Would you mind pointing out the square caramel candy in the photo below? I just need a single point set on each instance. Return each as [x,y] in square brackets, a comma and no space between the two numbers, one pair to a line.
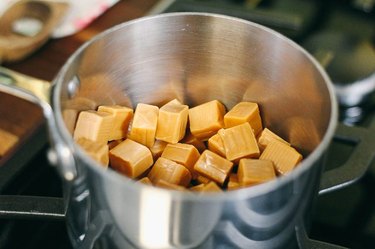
[121,117]
[167,185]
[97,151]
[190,139]
[198,187]
[284,157]
[213,166]
[215,144]
[185,154]
[170,171]
[267,136]
[206,119]
[244,112]
[158,148]
[130,158]
[239,142]
[202,179]
[145,180]
[233,182]
[209,187]
[172,122]
[144,124]
[93,125]
[255,171]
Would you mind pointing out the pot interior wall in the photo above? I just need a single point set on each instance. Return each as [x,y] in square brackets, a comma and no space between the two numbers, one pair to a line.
[197,59]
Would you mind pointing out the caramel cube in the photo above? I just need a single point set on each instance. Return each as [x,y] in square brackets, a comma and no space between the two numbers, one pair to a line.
[215,144]
[239,142]
[170,171]
[158,148]
[144,124]
[145,180]
[92,125]
[130,158]
[97,151]
[198,187]
[185,154]
[172,122]
[244,112]
[254,171]
[121,117]
[202,179]
[213,166]
[267,136]
[233,182]
[284,157]
[167,185]
[190,139]
[206,119]
[209,187]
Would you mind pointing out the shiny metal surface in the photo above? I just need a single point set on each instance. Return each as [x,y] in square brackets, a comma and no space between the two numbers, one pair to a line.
[38,87]
[197,58]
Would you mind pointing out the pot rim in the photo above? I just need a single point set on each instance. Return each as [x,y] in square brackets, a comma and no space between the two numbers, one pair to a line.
[242,193]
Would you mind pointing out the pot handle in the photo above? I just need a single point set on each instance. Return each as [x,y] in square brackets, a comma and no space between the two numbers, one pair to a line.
[304,242]
[357,164]
[38,92]
[31,207]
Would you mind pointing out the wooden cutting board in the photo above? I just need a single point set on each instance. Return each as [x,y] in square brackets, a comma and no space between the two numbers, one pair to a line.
[19,122]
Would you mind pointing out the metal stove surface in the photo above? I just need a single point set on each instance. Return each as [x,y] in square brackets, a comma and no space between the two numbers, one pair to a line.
[345,217]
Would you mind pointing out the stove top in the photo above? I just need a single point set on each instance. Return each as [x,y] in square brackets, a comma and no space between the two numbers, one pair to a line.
[345,217]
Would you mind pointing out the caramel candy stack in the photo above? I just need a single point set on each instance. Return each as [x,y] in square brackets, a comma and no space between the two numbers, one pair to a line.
[163,146]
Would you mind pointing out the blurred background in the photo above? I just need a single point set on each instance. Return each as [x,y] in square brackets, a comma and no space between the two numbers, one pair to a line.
[36,38]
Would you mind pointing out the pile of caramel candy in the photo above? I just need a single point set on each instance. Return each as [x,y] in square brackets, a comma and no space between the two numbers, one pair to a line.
[203,148]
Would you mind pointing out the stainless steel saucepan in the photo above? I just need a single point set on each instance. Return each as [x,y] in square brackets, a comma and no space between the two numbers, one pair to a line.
[196,58]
